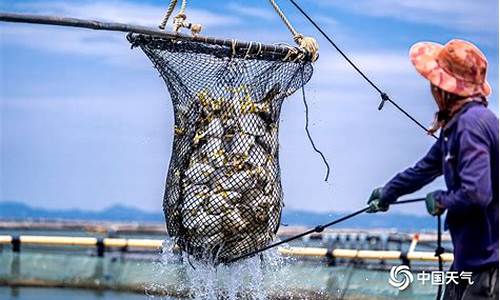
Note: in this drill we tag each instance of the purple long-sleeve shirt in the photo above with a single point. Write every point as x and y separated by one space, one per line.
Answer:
467 154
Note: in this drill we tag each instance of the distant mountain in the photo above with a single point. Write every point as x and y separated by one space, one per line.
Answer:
17 210
120 213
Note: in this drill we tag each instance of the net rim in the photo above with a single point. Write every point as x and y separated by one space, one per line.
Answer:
234 48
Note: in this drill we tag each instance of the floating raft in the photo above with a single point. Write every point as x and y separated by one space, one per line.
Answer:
154 244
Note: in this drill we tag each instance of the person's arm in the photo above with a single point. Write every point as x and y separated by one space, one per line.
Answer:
414 178
473 169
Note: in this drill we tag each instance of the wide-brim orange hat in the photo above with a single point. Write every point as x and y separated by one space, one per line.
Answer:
458 67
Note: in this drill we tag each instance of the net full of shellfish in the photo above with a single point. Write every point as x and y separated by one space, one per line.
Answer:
223 195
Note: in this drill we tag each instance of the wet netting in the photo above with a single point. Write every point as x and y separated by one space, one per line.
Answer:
223 195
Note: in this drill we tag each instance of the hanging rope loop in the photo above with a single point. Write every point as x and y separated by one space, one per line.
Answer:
180 20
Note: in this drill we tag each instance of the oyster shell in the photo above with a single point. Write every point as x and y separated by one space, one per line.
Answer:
190 219
208 224
242 143
217 204
213 240
240 182
214 128
252 124
199 173
233 222
214 150
270 140
257 156
199 192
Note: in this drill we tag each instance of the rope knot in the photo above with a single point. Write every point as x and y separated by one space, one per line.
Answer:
179 22
308 44
384 98
195 29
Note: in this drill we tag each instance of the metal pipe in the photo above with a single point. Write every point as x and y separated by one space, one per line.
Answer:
156 245
122 27
362 254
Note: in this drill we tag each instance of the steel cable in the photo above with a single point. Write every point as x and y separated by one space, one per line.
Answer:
383 95
317 229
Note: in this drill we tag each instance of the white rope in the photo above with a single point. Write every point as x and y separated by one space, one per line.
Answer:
169 12
233 47
284 18
308 44
248 51
259 50
180 19
183 7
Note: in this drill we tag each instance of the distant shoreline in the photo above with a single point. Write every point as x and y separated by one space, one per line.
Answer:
122 214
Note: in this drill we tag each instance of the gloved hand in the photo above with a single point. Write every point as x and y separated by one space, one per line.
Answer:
433 206
376 202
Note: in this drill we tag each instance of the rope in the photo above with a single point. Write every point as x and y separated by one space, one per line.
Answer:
317 229
383 96
308 44
439 251
284 18
169 12
183 7
180 19
306 106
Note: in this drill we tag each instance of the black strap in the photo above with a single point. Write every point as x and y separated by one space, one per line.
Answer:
16 243
306 106
439 251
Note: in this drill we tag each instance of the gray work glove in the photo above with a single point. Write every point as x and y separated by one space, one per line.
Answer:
376 202
432 205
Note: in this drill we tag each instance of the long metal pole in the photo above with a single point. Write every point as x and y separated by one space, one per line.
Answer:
122 27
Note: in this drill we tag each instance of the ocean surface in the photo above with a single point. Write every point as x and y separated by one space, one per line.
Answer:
28 293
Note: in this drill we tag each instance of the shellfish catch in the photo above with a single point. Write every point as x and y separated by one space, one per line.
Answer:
223 194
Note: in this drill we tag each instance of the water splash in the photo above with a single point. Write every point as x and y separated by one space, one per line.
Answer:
251 278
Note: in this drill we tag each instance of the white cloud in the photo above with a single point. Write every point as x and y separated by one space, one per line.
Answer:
112 47
252 12
126 12
461 15
378 64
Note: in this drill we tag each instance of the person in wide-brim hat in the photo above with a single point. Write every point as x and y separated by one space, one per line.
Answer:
459 67
466 153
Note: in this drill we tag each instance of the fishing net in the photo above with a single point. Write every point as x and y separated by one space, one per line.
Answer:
223 195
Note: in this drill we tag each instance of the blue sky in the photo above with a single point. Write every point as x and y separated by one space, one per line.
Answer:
87 123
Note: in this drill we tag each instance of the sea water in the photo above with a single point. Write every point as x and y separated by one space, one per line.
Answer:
245 279
170 276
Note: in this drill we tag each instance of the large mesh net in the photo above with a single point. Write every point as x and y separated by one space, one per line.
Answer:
223 195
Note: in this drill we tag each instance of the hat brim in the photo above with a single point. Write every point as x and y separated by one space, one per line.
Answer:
424 55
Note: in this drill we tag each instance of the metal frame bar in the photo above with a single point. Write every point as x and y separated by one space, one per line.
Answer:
128 28
154 244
